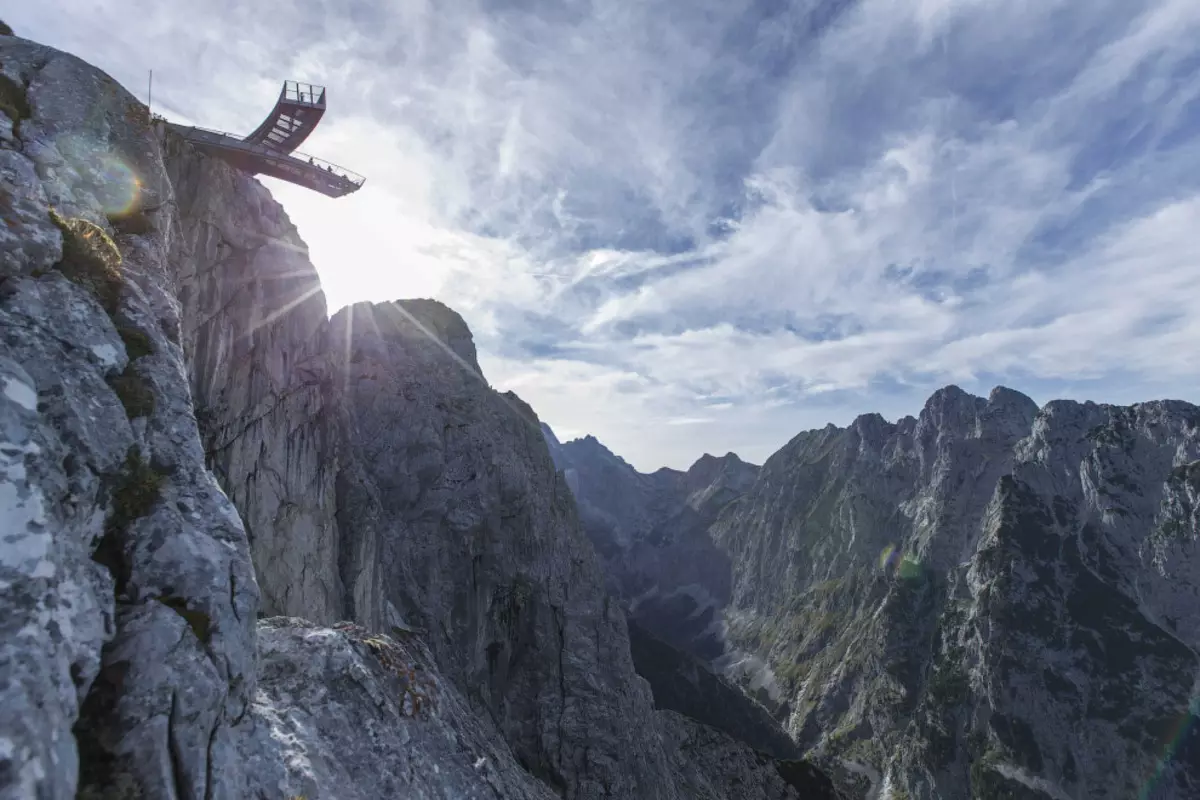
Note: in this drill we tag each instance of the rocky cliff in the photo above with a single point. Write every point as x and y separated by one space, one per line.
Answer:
989 600
129 596
202 475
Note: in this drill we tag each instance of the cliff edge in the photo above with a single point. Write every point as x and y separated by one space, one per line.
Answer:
252 551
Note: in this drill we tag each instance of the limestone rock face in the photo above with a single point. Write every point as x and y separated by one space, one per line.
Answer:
128 602
990 600
255 332
475 538
345 714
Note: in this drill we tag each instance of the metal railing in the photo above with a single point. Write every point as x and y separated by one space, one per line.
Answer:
234 142
296 92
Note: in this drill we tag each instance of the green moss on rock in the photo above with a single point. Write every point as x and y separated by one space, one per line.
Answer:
134 392
90 259
14 101
138 490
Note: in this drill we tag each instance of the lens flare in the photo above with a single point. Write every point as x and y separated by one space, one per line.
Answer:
902 565
1179 734
889 558
109 177
120 188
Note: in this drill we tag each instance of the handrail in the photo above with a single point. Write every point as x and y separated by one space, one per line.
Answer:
237 143
297 92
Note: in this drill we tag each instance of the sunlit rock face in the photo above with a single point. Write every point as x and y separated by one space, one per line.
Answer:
255 331
127 596
990 600
177 414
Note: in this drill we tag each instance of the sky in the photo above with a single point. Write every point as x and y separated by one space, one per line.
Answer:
705 226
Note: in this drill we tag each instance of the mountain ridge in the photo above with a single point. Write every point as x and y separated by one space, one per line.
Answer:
880 571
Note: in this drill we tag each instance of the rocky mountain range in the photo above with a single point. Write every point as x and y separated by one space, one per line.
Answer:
248 550
651 533
990 600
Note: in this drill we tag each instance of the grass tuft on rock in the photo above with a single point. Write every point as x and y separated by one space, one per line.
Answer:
14 101
90 259
139 488
4 29
134 392
137 342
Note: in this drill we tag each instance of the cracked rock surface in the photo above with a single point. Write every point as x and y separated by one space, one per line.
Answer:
989 600
344 714
128 607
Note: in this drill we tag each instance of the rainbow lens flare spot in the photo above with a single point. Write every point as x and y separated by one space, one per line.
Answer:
120 187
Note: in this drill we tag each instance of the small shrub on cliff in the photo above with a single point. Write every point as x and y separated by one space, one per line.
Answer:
139 488
136 489
137 342
13 100
417 689
4 29
134 392
90 259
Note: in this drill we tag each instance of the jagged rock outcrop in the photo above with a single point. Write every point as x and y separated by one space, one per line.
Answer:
652 533
457 503
174 404
346 714
114 532
990 600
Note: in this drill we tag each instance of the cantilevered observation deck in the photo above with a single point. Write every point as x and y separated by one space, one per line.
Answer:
271 148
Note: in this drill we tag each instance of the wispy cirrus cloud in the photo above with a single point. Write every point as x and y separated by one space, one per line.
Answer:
708 228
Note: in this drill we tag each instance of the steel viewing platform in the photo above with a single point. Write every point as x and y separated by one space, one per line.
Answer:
270 149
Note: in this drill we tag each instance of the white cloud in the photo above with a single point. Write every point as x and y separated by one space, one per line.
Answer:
946 190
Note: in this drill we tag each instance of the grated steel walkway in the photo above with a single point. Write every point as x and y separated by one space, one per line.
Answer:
270 149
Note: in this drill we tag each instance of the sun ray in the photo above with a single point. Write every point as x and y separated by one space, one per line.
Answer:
279 312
